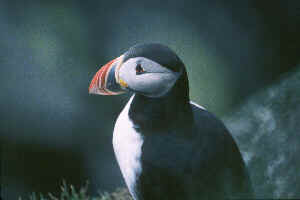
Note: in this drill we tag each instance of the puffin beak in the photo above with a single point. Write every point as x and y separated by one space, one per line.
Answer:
106 80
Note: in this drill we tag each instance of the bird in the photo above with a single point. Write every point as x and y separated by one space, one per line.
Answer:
168 147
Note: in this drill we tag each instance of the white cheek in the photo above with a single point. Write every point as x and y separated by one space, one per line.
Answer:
153 84
127 74
148 83
157 84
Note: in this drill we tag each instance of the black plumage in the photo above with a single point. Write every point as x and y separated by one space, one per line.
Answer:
187 152
168 147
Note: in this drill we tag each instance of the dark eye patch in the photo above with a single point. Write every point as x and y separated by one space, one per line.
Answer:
139 69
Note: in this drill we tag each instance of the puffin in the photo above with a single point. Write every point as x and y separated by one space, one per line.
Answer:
168 147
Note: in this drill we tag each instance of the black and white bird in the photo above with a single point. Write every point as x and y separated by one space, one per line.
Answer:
168 147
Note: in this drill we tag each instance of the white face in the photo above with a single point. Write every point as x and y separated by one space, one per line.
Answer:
147 77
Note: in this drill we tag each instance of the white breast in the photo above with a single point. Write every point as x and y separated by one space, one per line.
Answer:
127 145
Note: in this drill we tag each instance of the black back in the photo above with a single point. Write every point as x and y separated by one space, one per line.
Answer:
187 153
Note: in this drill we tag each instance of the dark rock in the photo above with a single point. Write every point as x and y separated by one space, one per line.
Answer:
267 131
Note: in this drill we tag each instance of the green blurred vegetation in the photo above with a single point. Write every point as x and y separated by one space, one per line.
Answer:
70 193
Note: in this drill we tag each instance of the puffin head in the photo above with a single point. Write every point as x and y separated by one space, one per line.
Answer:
150 70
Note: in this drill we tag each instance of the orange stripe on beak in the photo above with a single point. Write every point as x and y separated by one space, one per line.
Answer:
98 82
106 80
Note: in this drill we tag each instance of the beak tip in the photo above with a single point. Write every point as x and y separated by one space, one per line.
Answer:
93 88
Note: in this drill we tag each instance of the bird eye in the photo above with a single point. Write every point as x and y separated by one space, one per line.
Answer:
139 69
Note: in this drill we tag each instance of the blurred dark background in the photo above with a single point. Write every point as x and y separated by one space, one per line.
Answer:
51 129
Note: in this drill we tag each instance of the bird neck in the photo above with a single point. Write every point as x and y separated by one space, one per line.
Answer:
165 112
